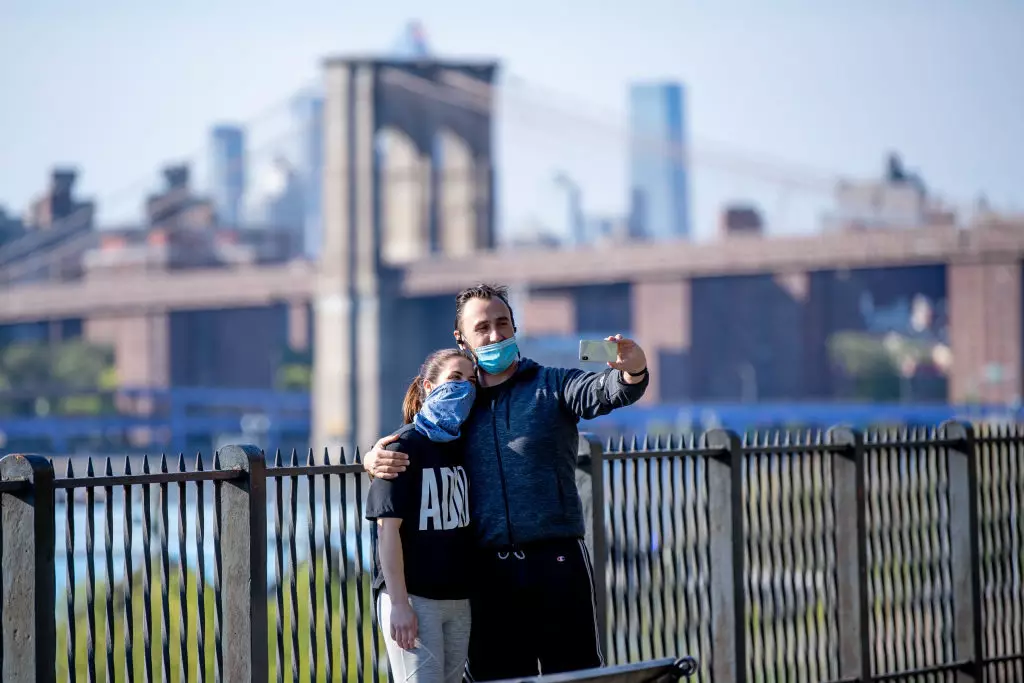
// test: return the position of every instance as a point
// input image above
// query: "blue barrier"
(179, 413)
(205, 413)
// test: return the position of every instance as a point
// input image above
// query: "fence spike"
(108, 470)
(181, 462)
(327, 455)
(216, 460)
(294, 460)
(163, 462)
(145, 463)
(127, 469)
(632, 443)
(309, 457)
(657, 442)
(89, 472)
(277, 458)
(199, 461)
(647, 444)
(69, 471)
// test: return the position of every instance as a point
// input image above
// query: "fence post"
(727, 556)
(29, 621)
(242, 506)
(851, 537)
(965, 550)
(590, 458)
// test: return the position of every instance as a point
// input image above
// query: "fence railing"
(779, 557)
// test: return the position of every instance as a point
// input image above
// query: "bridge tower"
(407, 173)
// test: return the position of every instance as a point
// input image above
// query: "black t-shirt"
(432, 499)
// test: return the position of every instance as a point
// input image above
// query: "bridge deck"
(553, 267)
(128, 292)
(154, 291)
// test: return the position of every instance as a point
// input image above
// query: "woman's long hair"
(430, 371)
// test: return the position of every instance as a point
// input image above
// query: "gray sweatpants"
(442, 640)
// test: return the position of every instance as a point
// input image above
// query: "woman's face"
(457, 368)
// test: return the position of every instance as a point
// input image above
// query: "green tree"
(81, 365)
(866, 361)
(73, 372)
(295, 371)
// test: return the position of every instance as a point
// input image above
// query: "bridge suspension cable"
(537, 107)
(23, 257)
(540, 113)
(131, 191)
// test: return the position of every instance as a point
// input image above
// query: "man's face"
(486, 321)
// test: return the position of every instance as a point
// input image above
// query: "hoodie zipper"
(501, 469)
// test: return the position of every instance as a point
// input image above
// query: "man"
(533, 602)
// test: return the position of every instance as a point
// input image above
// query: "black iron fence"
(778, 557)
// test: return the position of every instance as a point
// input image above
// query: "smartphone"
(598, 351)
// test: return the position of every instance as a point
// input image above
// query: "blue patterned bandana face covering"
(496, 358)
(445, 409)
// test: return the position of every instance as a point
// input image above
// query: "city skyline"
(929, 80)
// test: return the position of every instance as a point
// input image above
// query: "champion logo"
(560, 558)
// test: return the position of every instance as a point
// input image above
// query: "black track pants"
(533, 612)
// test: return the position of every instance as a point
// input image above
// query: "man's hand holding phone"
(619, 353)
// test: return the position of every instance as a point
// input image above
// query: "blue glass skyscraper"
(308, 114)
(659, 196)
(227, 172)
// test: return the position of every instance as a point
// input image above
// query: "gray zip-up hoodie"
(521, 442)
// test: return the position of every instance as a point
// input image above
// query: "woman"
(423, 536)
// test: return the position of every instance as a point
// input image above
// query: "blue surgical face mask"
(496, 358)
(445, 409)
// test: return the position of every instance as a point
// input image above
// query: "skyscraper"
(227, 172)
(659, 188)
(308, 113)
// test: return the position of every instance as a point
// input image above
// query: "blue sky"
(787, 88)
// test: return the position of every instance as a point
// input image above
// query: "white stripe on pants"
(442, 640)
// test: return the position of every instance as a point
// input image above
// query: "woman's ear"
(427, 387)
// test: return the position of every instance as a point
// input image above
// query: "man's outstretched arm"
(592, 394)
(381, 463)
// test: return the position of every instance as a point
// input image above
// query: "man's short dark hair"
(481, 291)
